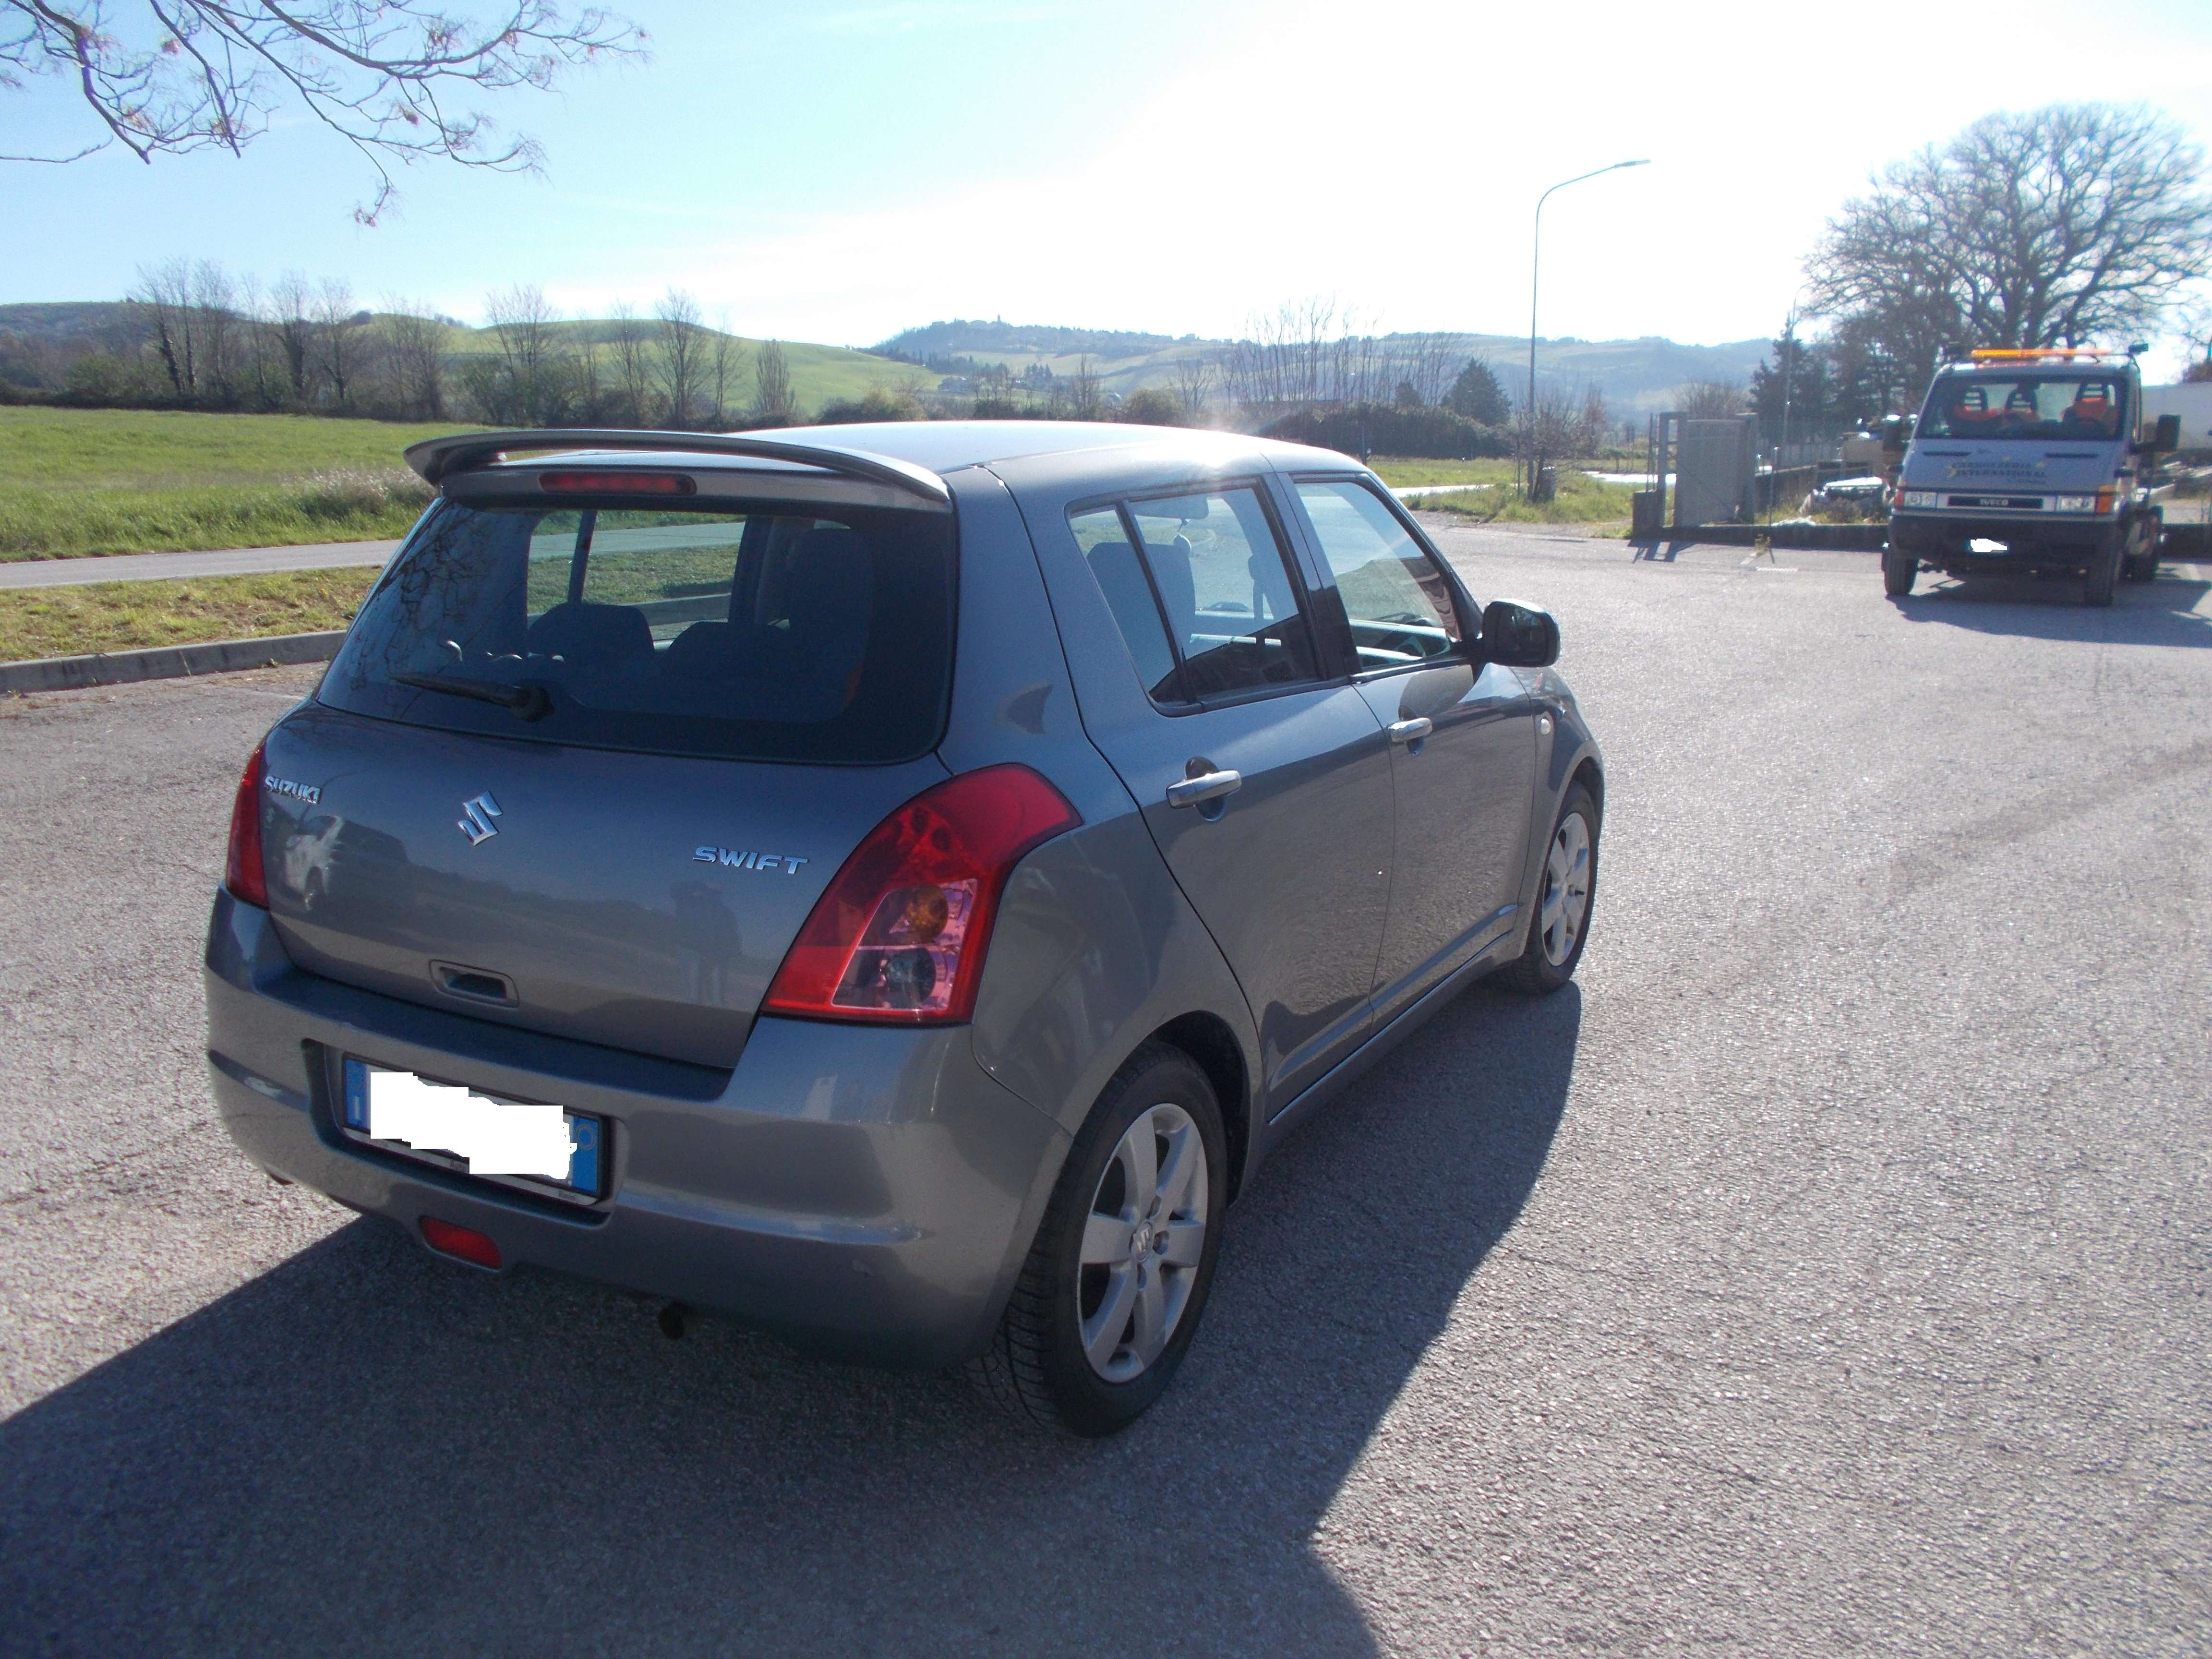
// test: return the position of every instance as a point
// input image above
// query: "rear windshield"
(2023, 406)
(744, 633)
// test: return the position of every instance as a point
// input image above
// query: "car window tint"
(1105, 543)
(1231, 606)
(764, 634)
(1397, 600)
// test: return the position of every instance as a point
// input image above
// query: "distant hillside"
(1637, 375)
(998, 341)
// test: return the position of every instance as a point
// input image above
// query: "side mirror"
(1893, 435)
(2166, 436)
(1519, 636)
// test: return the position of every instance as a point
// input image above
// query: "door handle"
(1411, 731)
(1206, 786)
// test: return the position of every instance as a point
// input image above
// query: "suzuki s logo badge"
(475, 819)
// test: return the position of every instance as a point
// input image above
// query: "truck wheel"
(2141, 563)
(2102, 579)
(1111, 1296)
(1900, 565)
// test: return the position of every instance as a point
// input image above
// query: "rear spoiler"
(437, 459)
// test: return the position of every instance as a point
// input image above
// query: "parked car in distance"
(2030, 460)
(893, 884)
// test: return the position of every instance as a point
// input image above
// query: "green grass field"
(1581, 499)
(84, 481)
(69, 621)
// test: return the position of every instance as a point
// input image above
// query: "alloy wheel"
(1566, 890)
(1142, 1244)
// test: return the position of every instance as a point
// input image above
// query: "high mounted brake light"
(616, 484)
(899, 936)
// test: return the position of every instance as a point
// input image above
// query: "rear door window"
(743, 632)
(1204, 575)
(1396, 599)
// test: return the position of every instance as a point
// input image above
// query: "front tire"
(2102, 579)
(1111, 1294)
(1900, 565)
(1560, 927)
(2140, 559)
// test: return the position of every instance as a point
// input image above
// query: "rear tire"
(2102, 579)
(1565, 899)
(1900, 567)
(1111, 1294)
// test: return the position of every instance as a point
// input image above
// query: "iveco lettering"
(894, 884)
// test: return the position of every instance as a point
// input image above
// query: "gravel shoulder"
(1824, 1273)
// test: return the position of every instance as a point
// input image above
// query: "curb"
(1835, 537)
(165, 662)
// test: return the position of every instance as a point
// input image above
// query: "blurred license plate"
(522, 1143)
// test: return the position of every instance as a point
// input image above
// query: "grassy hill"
(1637, 375)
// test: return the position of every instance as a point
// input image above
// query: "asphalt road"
(1827, 1275)
(159, 566)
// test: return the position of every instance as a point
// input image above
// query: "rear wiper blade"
(529, 702)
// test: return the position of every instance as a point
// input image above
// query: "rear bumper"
(863, 1191)
(2030, 542)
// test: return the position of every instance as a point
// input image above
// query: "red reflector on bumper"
(466, 1242)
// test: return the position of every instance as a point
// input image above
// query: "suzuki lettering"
(475, 819)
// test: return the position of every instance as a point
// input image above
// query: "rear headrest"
(592, 633)
(830, 574)
(1171, 562)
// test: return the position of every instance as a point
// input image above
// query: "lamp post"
(1535, 246)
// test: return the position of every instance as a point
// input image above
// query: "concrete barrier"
(1838, 538)
(167, 662)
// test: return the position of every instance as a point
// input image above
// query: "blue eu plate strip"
(356, 1096)
(584, 1154)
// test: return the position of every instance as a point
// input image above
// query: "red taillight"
(616, 484)
(242, 872)
(466, 1242)
(899, 936)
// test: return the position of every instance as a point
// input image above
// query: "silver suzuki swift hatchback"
(892, 883)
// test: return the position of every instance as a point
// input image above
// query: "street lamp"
(1535, 242)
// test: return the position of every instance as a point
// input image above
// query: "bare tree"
(1431, 362)
(170, 76)
(682, 352)
(1191, 380)
(2065, 224)
(162, 298)
(1595, 421)
(526, 381)
(633, 367)
(1710, 400)
(337, 338)
(772, 403)
(289, 303)
(725, 361)
(1085, 402)
(415, 341)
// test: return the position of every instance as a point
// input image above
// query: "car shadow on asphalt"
(369, 1450)
(2162, 612)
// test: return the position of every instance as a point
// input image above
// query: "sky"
(842, 169)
